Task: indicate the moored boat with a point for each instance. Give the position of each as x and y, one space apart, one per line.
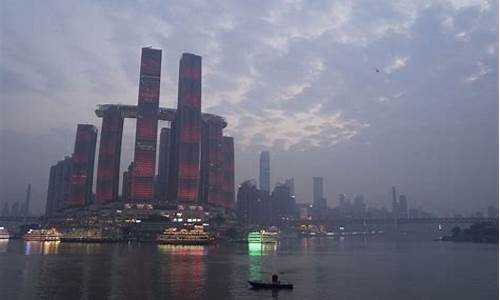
262 237
42 235
4 233
185 236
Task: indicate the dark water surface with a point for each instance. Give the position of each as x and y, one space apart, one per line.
356 268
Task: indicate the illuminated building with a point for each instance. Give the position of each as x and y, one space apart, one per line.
187 130
83 165
146 126
228 171
265 172
163 163
59 185
108 166
211 163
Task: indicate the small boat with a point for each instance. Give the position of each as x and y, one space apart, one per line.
270 285
4 234
42 235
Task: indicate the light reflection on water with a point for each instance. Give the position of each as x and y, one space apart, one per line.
3 245
44 248
319 269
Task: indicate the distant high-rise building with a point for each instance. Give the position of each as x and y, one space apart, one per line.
6 210
265 172
26 207
163 164
395 207
403 207
147 126
318 193
359 206
290 182
59 186
282 203
186 126
108 167
252 207
83 165
228 172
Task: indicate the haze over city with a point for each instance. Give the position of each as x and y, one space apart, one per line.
368 95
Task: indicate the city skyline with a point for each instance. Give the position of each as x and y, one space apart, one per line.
305 89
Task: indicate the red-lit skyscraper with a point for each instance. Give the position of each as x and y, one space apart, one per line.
211 164
108 167
186 147
83 165
163 164
147 126
228 171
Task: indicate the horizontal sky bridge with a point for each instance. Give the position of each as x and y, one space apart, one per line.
164 114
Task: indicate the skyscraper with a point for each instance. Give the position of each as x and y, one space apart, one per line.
403 207
318 192
265 172
108 167
186 147
26 210
163 164
290 182
228 171
395 207
59 186
147 126
211 163
82 176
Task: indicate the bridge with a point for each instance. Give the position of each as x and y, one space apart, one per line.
339 222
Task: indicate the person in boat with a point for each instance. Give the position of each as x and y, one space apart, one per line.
274 279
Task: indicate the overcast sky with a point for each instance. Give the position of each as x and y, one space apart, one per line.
296 78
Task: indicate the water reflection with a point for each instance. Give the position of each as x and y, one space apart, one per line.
44 248
183 250
183 270
255 253
3 245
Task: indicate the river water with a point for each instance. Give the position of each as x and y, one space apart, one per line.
378 267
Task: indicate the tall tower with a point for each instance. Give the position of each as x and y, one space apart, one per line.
108 166
228 171
28 200
83 165
186 147
147 126
317 191
211 163
395 206
265 172
163 164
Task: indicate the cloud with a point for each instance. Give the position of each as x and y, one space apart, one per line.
481 71
397 64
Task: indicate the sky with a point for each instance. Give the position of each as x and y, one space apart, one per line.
296 78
